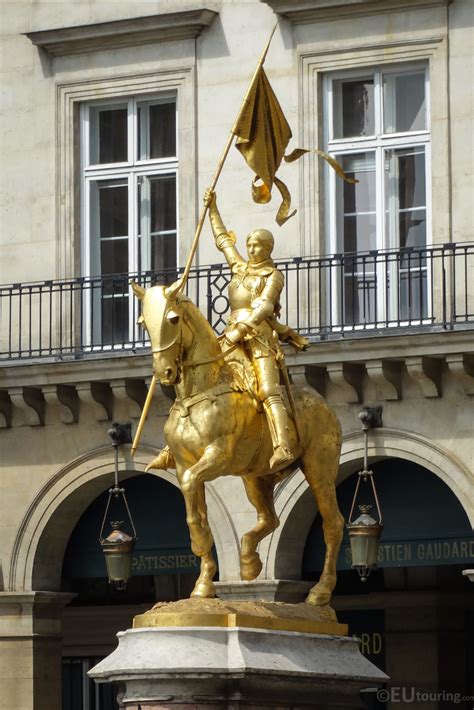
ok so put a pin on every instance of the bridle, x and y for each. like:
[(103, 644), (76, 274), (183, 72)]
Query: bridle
[(180, 361)]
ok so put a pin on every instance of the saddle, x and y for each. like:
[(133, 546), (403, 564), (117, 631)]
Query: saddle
[(243, 374)]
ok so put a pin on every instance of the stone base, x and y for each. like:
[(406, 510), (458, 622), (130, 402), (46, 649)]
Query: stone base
[(291, 591), (235, 667)]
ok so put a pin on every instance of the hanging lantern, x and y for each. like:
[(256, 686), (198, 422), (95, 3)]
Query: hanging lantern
[(118, 549), (365, 531), (118, 546)]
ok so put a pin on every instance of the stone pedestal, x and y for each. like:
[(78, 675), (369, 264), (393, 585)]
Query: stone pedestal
[(291, 591), (210, 654)]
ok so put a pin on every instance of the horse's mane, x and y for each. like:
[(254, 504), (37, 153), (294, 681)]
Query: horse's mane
[(199, 322)]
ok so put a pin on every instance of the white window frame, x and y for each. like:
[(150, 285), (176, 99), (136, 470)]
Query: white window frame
[(130, 171), (378, 143)]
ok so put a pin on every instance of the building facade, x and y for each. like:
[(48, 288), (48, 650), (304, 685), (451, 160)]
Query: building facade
[(114, 116)]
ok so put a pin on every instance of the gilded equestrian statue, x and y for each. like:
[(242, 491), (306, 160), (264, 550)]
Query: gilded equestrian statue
[(217, 426)]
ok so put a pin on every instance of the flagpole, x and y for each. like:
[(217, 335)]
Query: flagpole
[(221, 162)]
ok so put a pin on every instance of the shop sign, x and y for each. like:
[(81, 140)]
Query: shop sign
[(415, 553)]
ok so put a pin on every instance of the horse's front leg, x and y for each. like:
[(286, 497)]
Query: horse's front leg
[(260, 494), (209, 466)]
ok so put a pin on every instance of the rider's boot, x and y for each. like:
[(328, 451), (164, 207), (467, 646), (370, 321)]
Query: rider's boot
[(163, 461), (278, 424)]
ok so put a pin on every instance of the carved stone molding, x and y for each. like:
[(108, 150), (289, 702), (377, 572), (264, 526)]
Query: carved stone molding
[(461, 368), (386, 375), (316, 10), (97, 396), (123, 33), (65, 399), (30, 402), (426, 371)]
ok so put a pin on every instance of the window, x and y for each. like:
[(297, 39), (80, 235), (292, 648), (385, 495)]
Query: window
[(79, 692), (129, 215), (377, 127)]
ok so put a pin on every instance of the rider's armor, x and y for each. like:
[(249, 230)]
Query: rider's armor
[(254, 293)]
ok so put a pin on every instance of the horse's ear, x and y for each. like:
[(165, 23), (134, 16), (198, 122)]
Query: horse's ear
[(172, 291), (138, 290)]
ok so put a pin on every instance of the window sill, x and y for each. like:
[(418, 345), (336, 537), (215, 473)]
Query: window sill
[(122, 33), (312, 10)]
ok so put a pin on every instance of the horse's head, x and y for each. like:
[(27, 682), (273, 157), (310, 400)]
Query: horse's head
[(162, 317)]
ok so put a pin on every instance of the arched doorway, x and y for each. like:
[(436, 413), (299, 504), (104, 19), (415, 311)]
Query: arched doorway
[(415, 615), (164, 569)]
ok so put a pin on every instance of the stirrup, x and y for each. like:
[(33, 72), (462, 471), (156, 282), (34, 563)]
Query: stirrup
[(281, 455)]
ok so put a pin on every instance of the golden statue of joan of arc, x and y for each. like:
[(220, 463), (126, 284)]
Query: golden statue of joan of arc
[(254, 296)]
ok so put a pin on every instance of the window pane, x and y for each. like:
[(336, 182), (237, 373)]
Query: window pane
[(114, 317), (404, 102), (356, 203), (163, 252), (405, 195), (113, 210), (353, 108), (163, 204), (114, 256), (108, 135), (156, 130)]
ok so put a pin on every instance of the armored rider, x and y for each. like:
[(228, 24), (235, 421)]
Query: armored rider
[(254, 295)]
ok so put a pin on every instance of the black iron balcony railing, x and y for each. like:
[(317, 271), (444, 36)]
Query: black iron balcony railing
[(337, 296)]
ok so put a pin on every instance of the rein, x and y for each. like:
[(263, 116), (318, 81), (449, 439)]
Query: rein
[(216, 358)]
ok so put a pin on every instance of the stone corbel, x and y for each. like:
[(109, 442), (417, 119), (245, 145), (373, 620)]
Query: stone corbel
[(5, 411), (347, 381), (386, 376), (297, 374), (426, 371), (65, 398), (30, 402), (132, 393), (461, 368), (97, 396)]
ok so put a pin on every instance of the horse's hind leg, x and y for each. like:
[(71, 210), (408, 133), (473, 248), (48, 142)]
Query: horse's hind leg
[(320, 466), (260, 494)]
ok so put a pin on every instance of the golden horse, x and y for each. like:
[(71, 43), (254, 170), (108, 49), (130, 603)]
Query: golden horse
[(214, 429)]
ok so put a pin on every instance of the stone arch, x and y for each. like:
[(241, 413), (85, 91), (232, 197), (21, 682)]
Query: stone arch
[(43, 534), (283, 551)]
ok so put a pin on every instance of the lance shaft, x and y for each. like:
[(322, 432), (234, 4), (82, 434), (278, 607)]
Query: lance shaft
[(144, 414)]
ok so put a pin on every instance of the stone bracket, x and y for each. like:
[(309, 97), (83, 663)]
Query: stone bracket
[(132, 393), (5, 411), (65, 398), (427, 372), (461, 368), (387, 378), (97, 396), (346, 380), (30, 402)]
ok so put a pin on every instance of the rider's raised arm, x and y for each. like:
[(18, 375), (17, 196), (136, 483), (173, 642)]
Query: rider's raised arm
[(225, 241)]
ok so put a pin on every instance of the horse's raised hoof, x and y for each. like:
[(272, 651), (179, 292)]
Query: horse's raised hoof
[(204, 590), (250, 568), (319, 597)]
